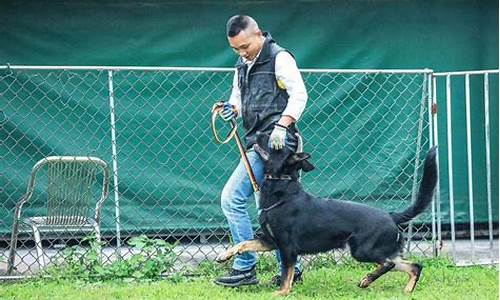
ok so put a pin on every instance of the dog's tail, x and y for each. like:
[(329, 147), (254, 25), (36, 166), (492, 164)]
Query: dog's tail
[(425, 191)]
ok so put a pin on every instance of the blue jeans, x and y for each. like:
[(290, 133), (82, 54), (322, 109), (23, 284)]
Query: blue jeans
[(234, 202)]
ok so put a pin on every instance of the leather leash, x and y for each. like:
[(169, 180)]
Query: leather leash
[(216, 109)]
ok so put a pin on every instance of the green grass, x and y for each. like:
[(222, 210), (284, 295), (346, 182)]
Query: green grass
[(440, 280)]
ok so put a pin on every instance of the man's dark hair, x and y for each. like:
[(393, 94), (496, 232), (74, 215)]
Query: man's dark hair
[(237, 23)]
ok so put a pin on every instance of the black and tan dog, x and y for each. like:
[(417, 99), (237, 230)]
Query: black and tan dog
[(297, 223)]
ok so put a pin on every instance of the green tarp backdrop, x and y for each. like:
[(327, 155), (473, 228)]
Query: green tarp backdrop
[(364, 34)]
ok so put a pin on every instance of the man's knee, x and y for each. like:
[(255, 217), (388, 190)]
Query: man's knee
[(225, 201), (232, 201)]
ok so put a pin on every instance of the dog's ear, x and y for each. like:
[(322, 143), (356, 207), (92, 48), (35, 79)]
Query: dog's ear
[(300, 159), (306, 166), (263, 153)]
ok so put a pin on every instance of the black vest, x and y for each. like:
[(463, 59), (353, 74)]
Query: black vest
[(262, 100)]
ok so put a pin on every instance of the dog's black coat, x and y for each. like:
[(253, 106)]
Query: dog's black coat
[(297, 223)]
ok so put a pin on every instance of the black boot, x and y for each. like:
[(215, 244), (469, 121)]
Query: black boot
[(238, 278)]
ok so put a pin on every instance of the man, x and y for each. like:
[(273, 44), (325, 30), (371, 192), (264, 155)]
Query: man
[(269, 94)]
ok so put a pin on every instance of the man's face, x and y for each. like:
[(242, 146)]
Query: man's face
[(246, 44)]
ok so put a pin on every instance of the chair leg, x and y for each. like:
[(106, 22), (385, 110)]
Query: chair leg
[(38, 245), (13, 246)]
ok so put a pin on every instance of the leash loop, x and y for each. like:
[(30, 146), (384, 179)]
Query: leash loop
[(216, 109)]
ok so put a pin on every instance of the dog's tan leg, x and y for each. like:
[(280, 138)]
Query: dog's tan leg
[(252, 245), (412, 269), (381, 270), (286, 285)]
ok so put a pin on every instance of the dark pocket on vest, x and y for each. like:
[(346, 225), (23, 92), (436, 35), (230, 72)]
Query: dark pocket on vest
[(262, 90)]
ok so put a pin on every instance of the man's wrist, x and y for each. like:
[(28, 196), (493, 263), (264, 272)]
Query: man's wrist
[(286, 121)]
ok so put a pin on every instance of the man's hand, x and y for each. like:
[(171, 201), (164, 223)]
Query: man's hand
[(278, 137), (228, 112)]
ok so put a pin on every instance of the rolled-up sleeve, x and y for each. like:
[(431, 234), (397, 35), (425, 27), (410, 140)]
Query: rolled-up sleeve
[(288, 75), (235, 98)]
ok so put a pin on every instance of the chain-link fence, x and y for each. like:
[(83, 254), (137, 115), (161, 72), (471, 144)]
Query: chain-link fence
[(367, 131)]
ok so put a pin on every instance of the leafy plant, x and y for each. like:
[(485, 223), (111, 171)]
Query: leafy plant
[(153, 258)]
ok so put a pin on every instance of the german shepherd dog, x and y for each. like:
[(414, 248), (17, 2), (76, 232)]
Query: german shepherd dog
[(297, 223)]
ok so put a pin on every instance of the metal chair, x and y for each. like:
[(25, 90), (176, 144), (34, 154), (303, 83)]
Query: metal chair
[(71, 190)]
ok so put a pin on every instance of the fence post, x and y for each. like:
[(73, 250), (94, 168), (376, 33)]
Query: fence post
[(469, 164), (450, 165), (432, 115), (439, 242), (115, 161), (488, 160)]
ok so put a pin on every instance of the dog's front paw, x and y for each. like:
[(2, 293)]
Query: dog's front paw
[(281, 293), (364, 283), (223, 257)]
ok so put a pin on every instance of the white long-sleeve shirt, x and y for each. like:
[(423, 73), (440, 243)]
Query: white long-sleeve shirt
[(288, 74)]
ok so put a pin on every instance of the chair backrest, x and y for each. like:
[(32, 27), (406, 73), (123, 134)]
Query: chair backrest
[(71, 185)]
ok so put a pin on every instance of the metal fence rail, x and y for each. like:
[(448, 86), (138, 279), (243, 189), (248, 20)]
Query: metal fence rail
[(456, 88), (367, 131)]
